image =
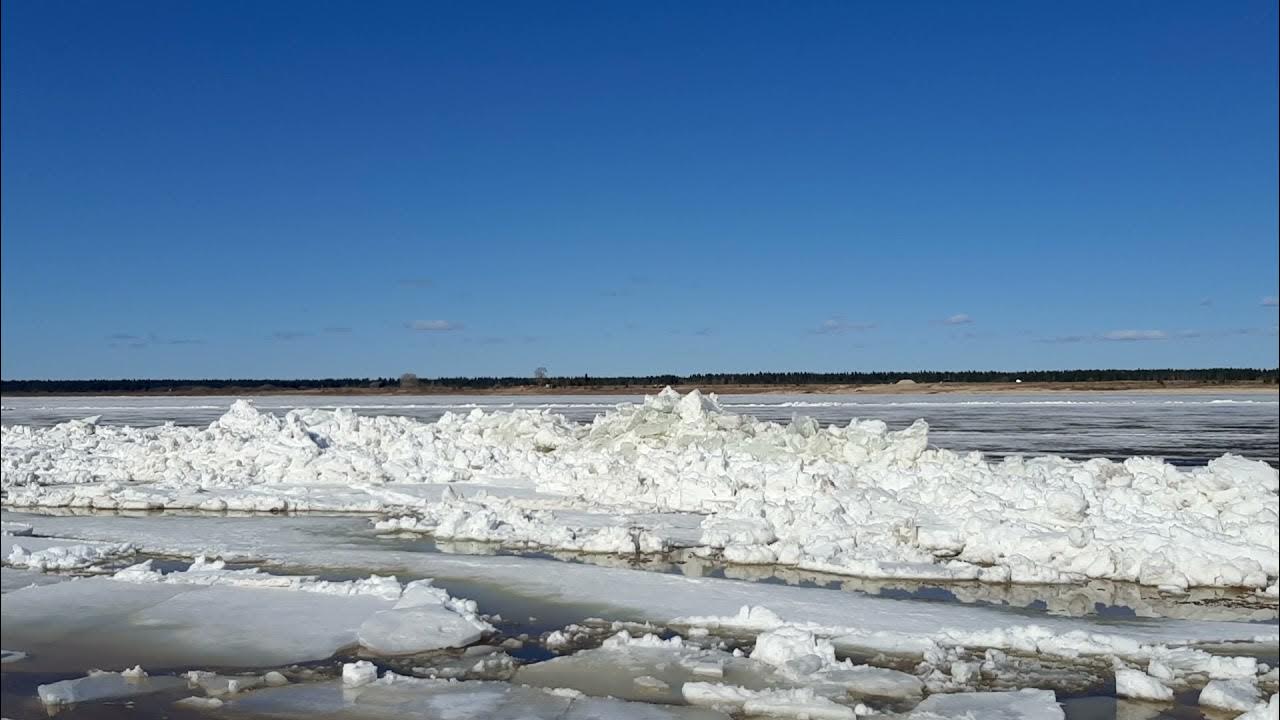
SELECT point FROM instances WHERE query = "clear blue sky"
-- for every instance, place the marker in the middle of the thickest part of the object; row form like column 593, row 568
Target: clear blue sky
column 299, row 189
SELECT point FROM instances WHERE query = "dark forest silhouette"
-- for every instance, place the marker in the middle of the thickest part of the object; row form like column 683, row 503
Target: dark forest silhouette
column 709, row 380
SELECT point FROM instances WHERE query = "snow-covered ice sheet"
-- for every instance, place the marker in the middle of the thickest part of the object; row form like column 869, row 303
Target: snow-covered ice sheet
column 873, row 502
column 15, row 579
column 397, row 697
column 210, row 616
column 852, row 621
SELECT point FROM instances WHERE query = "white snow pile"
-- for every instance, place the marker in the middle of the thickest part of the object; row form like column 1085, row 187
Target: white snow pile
column 66, row 557
column 855, row 499
column 503, row 520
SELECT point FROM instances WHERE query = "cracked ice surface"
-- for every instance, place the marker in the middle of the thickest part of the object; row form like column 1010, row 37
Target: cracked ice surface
column 851, row 621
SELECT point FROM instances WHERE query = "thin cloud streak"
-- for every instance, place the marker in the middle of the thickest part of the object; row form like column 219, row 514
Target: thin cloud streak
column 837, row 326
column 434, row 326
column 1134, row 335
column 137, row 342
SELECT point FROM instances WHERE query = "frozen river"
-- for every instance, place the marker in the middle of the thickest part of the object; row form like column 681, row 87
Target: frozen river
column 798, row 569
column 1183, row 428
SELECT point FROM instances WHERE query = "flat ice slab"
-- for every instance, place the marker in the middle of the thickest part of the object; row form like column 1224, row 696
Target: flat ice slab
column 106, row 622
column 105, row 686
column 17, row 578
column 1020, row 705
column 209, row 616
column 406, row 697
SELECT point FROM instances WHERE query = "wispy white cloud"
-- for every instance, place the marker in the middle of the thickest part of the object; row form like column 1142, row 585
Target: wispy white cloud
column 1068, row 339
column 434, row 325
column 1159, row 335
column 140, row 341
column 1134, row 335
column 836, row 326
column 1270, row 301
column 958, row 319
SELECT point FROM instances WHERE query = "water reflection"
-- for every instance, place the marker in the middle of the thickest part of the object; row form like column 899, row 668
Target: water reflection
column 1096, row 598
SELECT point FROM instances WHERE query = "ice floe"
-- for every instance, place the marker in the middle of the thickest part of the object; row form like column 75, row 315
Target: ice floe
column 209, row 615
column 99, row 685
column 396, row 696
column 1020, row 705
column 1230, row 694
column 1269, row 710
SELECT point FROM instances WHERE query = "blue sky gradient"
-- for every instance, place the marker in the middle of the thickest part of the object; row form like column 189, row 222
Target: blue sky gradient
column 301, row 189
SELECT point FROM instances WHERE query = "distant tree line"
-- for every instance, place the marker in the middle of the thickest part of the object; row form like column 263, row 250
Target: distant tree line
column 1203, row 375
